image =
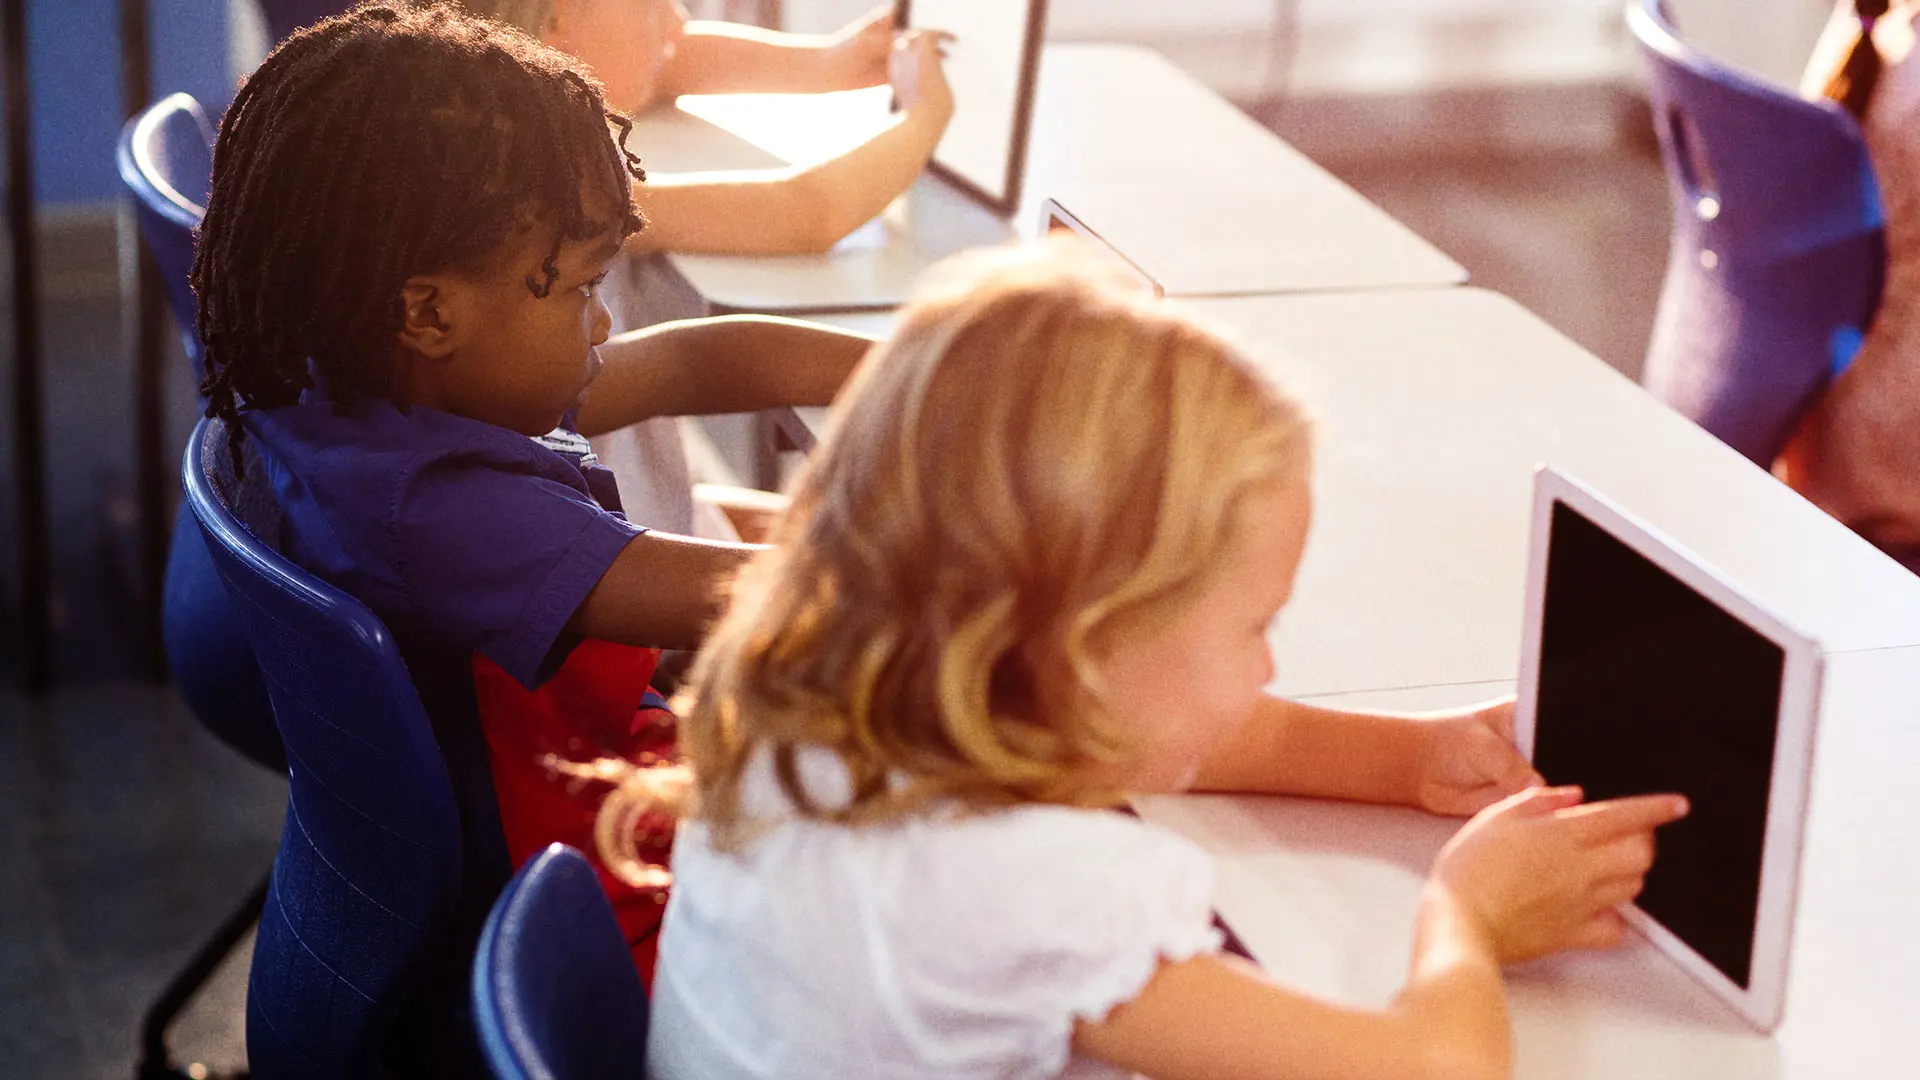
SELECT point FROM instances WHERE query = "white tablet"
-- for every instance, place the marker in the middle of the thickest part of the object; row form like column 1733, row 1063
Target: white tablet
column 993, row 65
column 1056, row 218
column 1642, row 671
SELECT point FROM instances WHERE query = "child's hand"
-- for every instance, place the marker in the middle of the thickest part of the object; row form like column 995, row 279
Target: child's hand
column 858, row 54
column 1541, row 872
column 1467, row 761
column 914, row 69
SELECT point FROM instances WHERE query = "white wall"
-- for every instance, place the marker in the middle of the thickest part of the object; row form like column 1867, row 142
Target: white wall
column 1768, row 37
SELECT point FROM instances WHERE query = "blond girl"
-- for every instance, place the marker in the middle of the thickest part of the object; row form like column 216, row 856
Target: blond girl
column 1032, row 569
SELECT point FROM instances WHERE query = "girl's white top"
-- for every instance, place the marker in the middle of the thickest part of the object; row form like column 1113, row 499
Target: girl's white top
column 948, row 945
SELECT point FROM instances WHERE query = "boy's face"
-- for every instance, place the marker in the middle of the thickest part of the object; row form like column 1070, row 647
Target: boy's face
column 627, row 43
column 485, row 347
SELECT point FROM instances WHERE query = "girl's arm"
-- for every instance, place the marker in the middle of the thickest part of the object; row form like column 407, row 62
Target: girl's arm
column 727, row 364
column 1533, row 875
column 1449, row 763
column 729, row 58
column 808, row 209
column 1212, row 1018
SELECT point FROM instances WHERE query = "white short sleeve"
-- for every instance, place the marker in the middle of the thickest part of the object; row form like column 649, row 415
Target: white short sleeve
column 1050, row 916
column 947, row 946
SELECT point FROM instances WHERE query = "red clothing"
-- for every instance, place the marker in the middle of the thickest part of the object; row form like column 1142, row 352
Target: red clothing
column 597, row 705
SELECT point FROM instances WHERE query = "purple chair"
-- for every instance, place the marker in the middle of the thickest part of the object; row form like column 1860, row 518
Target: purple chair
column 1779, row 244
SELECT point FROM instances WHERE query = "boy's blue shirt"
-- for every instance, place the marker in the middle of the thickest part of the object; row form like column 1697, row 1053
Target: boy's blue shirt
column 475, row 545
column 445, row 526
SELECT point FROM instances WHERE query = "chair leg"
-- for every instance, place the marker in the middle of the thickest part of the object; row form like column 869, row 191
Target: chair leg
column 156, row 1061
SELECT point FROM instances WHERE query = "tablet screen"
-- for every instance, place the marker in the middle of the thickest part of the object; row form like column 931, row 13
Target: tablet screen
column 1647, row 686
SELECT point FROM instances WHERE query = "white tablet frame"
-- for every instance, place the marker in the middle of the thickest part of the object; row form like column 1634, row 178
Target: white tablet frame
column 1762, row 1002
column 1052, row 214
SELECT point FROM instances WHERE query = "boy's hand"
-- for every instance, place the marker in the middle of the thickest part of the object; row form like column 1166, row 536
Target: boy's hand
column 858, row 54
column 1466, row 761
column 1540, row 872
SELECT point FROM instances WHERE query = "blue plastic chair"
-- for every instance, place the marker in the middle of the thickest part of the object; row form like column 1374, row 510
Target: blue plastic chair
column 286, row 16
column 369, row 859
column 555, row 993
column 1779, row 245
column 166, row 162
column 166, row 159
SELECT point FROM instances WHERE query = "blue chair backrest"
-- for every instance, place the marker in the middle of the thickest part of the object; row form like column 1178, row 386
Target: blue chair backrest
column 286, row 16
column 166, row 159
column 369, row 856
column 1778, row 243
column 555, row 992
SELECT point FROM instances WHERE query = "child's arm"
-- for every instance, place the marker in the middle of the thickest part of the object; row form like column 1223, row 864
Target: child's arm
column 662, row 592
column 732, row 363
column 1534, row 875
column 806, row 209
column 729, row 58
column 1448, row 763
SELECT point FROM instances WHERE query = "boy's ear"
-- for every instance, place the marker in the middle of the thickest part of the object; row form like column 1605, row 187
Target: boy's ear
column 430, row 324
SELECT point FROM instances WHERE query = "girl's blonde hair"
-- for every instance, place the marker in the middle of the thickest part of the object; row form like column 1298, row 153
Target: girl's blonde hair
column 1038, row 459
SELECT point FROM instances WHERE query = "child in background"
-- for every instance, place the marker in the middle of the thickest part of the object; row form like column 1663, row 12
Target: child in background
column 1856, row 454
column 647, row 53
column 399, row 271
column 1032, row 567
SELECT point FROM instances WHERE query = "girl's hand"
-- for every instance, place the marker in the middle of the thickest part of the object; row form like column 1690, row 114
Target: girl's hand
column 1540, row 872
column 914, row 69
column 858, row 53
column 1466, row 761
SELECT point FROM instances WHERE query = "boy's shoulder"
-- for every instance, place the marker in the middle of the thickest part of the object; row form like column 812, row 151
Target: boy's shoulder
column 378, row 435
column 385, row 453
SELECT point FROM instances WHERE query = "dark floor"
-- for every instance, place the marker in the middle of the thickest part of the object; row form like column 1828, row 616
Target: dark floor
column 129, row 832
column 1579, row 238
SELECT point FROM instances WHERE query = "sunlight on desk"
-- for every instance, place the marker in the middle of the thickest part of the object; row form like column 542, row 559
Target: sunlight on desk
column 800, row 129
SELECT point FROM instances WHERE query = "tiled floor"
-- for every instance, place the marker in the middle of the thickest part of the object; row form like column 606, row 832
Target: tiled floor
column 126, row 832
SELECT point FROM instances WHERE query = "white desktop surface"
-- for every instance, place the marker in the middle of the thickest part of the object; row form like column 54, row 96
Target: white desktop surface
column 1203, row 197
column 1434, row 407
column 1199, row 195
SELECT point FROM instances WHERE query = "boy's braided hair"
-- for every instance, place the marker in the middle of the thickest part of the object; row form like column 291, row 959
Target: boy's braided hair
column 371, row 147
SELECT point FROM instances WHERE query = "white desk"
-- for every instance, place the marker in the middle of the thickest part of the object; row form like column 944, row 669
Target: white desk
column 1199, row 194
column 1434, row 408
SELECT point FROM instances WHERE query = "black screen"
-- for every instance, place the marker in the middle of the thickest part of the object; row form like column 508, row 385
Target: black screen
column 1646, row 686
